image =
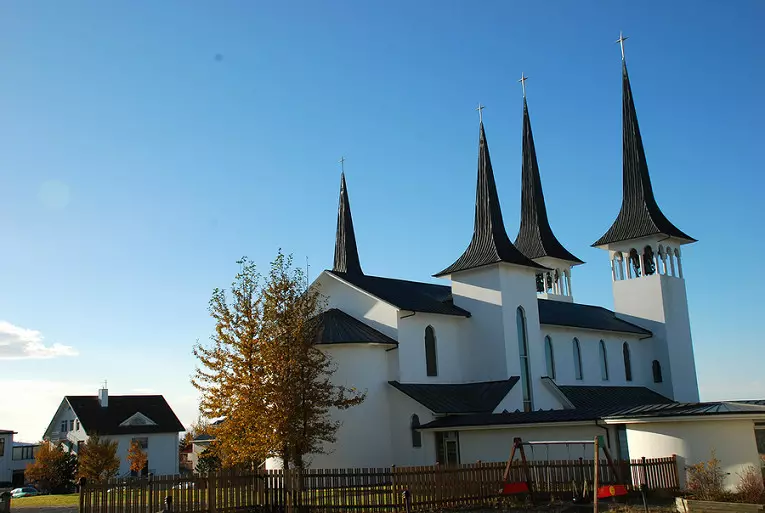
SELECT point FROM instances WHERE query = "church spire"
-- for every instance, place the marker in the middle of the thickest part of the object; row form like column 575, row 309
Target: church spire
column 535, row 238
column 490, row 244
column 640, row 215
column 346, row 253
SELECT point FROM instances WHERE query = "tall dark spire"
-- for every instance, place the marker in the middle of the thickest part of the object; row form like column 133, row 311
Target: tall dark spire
column 490, row 244
column 640, row 215
column 346, row 253
column 535, row 238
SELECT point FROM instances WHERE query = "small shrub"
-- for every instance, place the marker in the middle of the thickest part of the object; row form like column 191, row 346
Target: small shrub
column 750, row 488
column 706, row 480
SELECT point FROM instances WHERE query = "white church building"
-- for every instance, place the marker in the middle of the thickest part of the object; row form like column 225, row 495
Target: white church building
column 454, row 371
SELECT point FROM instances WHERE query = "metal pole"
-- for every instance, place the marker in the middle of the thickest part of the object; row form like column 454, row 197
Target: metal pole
column 595, row 479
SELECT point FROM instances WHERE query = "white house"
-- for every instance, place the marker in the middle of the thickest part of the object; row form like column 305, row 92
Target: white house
column 14, row 458
column 124, row 418
column 454, row 371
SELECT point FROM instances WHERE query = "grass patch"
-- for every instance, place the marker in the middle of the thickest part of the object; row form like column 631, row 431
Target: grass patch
column 46, row 501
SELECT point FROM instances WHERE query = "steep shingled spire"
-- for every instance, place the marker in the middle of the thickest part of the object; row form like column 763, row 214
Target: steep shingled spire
column 490, row 244
column 346, row 253
column 640, row 215
column 535, row 238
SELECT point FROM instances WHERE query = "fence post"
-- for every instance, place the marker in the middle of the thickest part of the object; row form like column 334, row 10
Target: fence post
column 82, row 482
column 151, row 492
column 168, row 504
column 211, row 492
column 644, row 477
column 407, row 495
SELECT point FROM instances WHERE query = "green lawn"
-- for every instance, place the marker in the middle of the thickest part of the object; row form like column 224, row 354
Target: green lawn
column 43, row 501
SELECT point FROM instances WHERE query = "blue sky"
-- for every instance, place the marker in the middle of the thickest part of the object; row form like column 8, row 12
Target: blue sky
column 146, row 146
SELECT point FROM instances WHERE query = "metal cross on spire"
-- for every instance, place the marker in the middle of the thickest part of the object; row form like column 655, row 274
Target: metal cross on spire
column 342, row 164
column 523, row 80
column 480, row 112
column 621, row 41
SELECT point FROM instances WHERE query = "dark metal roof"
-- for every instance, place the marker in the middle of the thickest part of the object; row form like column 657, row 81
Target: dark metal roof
column 689, row 410
column 606, row 400
column 407, row 295
column 560, row 313
column 107, row 420
column 458, row 398
column 490, row 244
column 640, row 215
column 346, row 252
column 535, row 238
column 337, row 327
column 204, row 437
column 517, row 417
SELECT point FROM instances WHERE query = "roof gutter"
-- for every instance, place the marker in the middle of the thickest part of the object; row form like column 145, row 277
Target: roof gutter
column 685, row 418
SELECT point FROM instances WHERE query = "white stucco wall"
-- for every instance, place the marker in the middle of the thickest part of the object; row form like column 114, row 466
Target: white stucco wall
column 659, row 303
column 449, row 350
column 364, row 438
column 162, row 452
column 6, row 471
column 733, row 441
column 402, row 407
column 496, row 444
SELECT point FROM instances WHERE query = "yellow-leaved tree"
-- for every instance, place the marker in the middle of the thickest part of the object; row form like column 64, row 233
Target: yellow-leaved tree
column 263, row 373
column 138, row 459
column 98, row 459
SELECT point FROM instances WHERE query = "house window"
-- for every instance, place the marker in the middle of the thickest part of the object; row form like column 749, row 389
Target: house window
column 603, row 361
column 627, row 361
column 656, row 371
column 144, row 441
column 77, row 424
column 577, row 360
column 416, row 435
column 71, row 425
column 523, row 351
column 2, row 447
column 550, row 357
column 430, row 351
column 448, row 447
column 64, row 425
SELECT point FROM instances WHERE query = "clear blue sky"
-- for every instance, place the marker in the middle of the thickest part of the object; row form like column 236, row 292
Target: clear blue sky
column 145, row 146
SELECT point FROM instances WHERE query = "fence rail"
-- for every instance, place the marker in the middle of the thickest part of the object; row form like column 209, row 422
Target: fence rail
column 360, row 489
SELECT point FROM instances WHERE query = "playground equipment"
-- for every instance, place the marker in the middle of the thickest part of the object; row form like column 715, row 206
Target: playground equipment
column 580, row 493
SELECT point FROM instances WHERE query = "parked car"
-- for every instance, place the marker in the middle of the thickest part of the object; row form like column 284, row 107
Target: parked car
column 26, row 491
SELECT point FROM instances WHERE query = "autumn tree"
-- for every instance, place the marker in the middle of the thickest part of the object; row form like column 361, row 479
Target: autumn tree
column 53, row 469
column 208, row 461
column 98, row 459
column 137, row 458
column 263, row 372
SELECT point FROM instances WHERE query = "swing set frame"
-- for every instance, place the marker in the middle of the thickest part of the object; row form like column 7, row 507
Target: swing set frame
column 601, row 492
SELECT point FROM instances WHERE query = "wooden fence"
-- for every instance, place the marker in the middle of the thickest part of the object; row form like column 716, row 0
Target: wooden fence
column 360, row 489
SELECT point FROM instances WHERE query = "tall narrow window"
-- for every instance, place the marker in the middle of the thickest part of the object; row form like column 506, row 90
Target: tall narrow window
column 577, row 360
column 627, row 361
column 416, row 435
column 650, row 263
column 550, row 356
column 635, row 261
column 523, row 351
column 603, row 361
column 656, row 371
column 431, row 364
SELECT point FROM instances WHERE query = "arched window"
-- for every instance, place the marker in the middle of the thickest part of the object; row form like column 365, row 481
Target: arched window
column 662, row 260
column 627, row 361
column 603, row 362
column 656, row 371
column 523, row 351
column 416, row 435
column 635, row 262
column 650, row 263
column 550, row 357
column 431, row 364
column 577, row 360
column 540, row 282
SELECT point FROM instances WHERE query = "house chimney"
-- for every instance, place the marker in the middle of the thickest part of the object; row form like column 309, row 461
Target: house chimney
column 103, row 396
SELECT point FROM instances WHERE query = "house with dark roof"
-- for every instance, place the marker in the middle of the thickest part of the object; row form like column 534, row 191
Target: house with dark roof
column 147, row 419
column 499, row 348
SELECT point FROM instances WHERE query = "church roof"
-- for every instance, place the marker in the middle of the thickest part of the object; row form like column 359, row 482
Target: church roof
column 690, row 409
column 406, row 295
column 459, row 398
column 561, row 313
column 535, row 238
column 511, row 418
column 610, row 399
column 640, row 215
column 346, row 252
column 490, row 244
column 340, row 328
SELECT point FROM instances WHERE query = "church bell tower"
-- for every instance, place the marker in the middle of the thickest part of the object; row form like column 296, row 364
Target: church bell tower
column 646, row 266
